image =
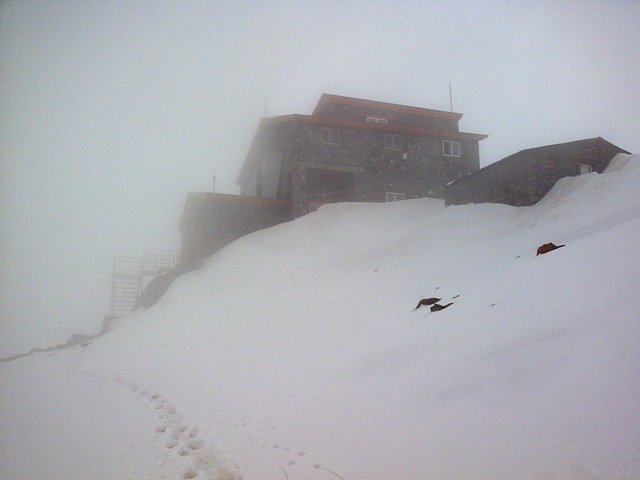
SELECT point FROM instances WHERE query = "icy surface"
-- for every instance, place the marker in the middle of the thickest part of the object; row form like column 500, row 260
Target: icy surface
column 296, row 353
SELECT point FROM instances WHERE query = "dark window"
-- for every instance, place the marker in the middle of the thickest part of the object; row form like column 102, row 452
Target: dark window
column 585, row 168
column 450, row 148
column 394, row 196
column 392, row 141
column 330, row 135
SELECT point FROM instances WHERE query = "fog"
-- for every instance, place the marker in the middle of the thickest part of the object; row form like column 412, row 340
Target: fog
column 112, row 111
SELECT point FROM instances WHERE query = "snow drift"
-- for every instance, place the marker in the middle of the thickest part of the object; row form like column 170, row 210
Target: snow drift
column 296, row 353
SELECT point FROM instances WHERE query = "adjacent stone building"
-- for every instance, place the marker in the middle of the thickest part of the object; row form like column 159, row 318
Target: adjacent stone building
column 348, row 149
column 525, row 177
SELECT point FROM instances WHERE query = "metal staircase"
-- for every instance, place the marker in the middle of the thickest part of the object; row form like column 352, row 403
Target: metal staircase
column 131, row 275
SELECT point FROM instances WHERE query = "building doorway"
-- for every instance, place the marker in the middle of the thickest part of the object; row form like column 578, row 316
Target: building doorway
column 329, row 185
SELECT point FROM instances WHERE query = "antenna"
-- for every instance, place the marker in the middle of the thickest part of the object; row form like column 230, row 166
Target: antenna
column 214, row 179
column 450, row 97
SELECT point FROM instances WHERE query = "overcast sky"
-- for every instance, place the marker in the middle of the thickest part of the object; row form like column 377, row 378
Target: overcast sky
column 112, row 111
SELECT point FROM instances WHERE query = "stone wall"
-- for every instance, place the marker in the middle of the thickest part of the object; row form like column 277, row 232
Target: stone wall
column 525, row 177
column 418, row 168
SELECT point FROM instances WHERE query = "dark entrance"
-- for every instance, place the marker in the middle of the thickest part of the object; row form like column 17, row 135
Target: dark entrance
column 327, row 185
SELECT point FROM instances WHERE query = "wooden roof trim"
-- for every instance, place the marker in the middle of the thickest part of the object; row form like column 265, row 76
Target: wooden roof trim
column 340, row 122
column 360, row 102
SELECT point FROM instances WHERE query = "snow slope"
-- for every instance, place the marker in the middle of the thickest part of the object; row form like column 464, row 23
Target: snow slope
column 296, row 353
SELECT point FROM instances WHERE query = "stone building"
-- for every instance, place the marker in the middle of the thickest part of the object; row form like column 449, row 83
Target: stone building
column 348, row 149
column 351, row 149
column 525, row 177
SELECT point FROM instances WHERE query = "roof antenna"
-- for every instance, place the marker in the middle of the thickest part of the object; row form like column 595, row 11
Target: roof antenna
column 450, row 98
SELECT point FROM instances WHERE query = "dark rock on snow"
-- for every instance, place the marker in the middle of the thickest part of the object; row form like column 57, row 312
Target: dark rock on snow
column 437, row 307
column 427, row 301
column 546, row 248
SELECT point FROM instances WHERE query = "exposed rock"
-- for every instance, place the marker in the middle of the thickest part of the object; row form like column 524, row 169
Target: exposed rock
column 437, row 307
column 427, row 301
column 547, row 247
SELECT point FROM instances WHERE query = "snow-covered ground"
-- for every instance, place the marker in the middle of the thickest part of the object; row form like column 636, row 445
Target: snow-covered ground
column 296, row 353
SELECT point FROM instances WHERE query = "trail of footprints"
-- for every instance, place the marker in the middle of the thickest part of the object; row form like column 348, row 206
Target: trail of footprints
column 204, row 462
column 184, row 439
column 255, row 435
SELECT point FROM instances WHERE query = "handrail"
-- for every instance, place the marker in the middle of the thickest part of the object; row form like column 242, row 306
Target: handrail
column 129, row 278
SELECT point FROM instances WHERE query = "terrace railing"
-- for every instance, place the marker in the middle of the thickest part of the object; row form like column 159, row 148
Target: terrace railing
column 130, row 275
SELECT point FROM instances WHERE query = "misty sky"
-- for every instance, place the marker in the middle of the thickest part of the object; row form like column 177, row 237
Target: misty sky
column 110, row 112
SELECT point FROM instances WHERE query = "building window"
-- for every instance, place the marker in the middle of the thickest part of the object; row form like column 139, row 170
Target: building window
column 394, row 196
column 330, row 135
column 392, row 141
column 585, row 168
column 376, row 120
column 451, row 149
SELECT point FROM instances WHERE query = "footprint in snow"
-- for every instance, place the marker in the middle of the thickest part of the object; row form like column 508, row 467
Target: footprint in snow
column 184, row 440
column 195, row 443
column 171, row 443
column 190, row 473
column 184, row 450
